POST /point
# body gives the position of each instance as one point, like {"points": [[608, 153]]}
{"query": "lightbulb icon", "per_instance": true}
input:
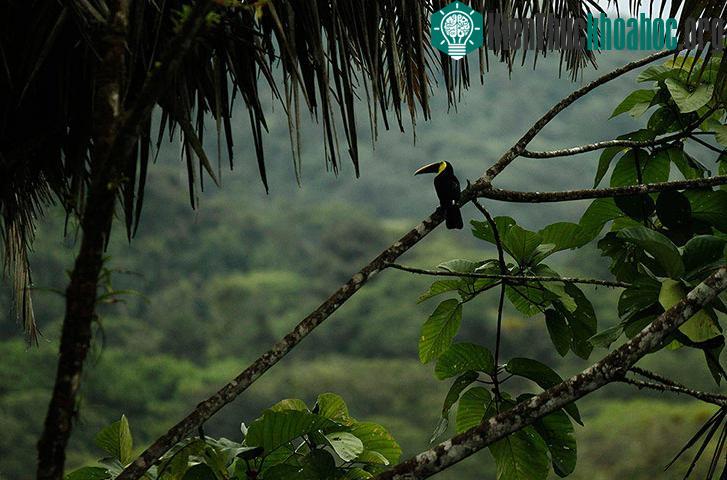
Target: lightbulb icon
{"points": [[457, 28]]}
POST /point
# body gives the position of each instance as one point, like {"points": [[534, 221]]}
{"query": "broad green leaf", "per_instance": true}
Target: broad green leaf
{"points": [[582, 322], [472, 408], [604, 162], [176, 464], [455, 390], [557, 432], [116, 440], [520, 243], [636, 103], [709, 206], [199, 472], [564, 236], [703, 252], [544, 376], [642, 294], [357, 474], [607, 337], [522, 455], [689, 101], [658, 246], [275, 429], [698, 328], [439, 287], [600, 212], [558, 289], [334, 407], [528, 299], [290, 404], [687, 165], [483, 231], [374, 458], [376, 438], [346, 445], [656, 73], [318, 465], [459, 265], [558, 330], [654, 168], [88, 473], [721, 135], [284, 471], [439, 330], [662, 121], [462, 357]]}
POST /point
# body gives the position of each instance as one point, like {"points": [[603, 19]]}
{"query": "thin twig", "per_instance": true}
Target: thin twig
{"points": [[687, 131], [501, 301], [511, 278], [655, 376], [702, 142], [585, 194], [714, 398]]}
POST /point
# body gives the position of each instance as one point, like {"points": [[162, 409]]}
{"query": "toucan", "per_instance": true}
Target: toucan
{"points": [[448, 190]]}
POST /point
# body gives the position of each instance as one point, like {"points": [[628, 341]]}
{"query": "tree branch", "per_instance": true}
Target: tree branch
{"points": [[570, 195], [511, 278], [611, 368], [714, 398], [204, 410]]}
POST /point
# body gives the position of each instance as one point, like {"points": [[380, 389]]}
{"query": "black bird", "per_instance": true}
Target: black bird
{"points": [[448, 190]]}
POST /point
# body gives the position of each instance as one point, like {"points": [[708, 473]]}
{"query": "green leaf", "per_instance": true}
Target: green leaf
{"points": [[604, 162], [642, 294], [290, 404], [544, 376], [439, 330], [558, 330], [374, 458], [483, 231], [318, 465], [600, 212], [520, 243], [709, 206], [116, 440], [459, 266], [375, 438], [654, 168], [199, 472], [357, 474], [700, 326], [607, 337], [275, 429], [528, 299], [521, 456], [703, 252], [346, 445], [662, 121], [462, 357], [439, 287], [88, 473], [582, 322], [564, 236], [687, 165], [557, 432], [636, 103], [656, 73], [689, 101], [472, 407], [721, 135], [334, 407], [658, 246], [455, 390]]}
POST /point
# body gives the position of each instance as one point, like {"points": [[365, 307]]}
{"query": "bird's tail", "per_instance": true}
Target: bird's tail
{"points": [[453, 217]]}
